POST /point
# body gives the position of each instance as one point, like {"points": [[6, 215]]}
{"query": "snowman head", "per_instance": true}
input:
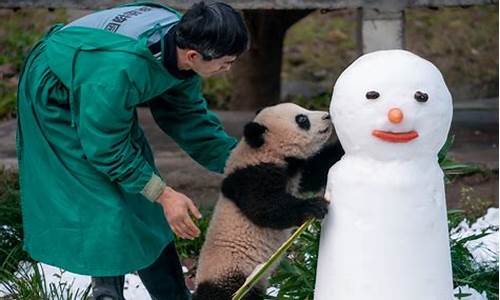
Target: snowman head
{"points": [[391, 105]]}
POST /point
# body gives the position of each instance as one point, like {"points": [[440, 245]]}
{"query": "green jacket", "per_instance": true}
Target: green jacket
{"points": [[87, 173]]}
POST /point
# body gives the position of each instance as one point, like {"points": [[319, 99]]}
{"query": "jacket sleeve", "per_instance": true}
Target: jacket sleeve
{"points": [[182, 113], [106, 115]]}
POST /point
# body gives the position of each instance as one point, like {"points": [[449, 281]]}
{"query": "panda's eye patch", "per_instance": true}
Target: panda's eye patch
{"points": [[421, 96], [303, 121], [372, 95]]}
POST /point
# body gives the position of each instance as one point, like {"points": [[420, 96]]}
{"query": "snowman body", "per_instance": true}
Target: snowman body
{"points": [[385, 241], [386, 234]]}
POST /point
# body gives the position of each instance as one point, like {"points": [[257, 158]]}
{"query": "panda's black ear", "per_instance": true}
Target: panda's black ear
{"points": [[254, 134]]}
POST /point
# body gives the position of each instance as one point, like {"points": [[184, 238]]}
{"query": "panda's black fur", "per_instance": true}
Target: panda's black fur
{"points": [[284, 211], [261, 193]]}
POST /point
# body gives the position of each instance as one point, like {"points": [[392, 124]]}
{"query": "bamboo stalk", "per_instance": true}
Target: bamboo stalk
{"points": [[260, 270]]}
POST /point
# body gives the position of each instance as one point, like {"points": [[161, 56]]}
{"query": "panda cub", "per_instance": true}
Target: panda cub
{"points": [[282, 154]]}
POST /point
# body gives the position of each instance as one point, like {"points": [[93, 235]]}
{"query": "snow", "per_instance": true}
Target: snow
{"points": [[7, 229], [485, 249], [272, 291], [465, 290]]}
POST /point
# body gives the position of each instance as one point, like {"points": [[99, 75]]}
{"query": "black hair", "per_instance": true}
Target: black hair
{"points": [[213, 29]]}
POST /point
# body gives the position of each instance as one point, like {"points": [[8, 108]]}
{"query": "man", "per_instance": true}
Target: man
{"points": [[93, 201]]}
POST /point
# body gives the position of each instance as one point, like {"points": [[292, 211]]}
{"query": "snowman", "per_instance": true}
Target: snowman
{"points": [[386, 235]]}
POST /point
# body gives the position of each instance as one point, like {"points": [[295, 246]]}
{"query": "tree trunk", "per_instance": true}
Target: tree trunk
{"points": [[256, 76]]}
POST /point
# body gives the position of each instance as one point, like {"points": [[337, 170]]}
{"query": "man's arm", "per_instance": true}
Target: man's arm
{"points": [[182, 114], [106, 116], [105, 119]]}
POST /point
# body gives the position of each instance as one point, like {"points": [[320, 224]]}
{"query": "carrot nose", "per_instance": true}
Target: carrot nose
{"points": [[395, 115]]}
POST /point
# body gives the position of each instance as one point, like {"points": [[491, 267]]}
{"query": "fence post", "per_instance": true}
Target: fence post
{"points": [[382, 25]]}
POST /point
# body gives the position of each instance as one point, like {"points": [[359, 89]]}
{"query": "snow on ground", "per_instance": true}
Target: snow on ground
{"points": [[484, 250], [133, 290], [473, 294]]}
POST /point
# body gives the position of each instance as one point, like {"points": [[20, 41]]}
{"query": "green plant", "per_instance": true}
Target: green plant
{"points": [[29, 282], [11, 230], [296, 275], [19, 31], [451, 168], [473, 206], [217, 91], [191, 248], [320, 102], [466, 271], [7, 100], [20, 277]]}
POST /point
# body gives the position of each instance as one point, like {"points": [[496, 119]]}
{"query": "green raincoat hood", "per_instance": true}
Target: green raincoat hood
{"points": [[98, 54], [67, 43], [65, 46]]}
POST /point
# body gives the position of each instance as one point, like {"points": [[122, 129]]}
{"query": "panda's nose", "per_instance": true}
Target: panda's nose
{"points": [[326, 117], [395, 115]]}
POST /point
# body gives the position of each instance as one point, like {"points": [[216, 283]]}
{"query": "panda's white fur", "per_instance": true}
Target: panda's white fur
{"points": [[259, 201]]}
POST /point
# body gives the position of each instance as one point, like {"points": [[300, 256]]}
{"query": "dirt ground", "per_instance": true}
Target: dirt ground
{"points": [[476, 141]]}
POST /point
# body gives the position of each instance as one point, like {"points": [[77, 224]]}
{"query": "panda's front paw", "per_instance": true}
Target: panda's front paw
{"points": [[316, 208]]}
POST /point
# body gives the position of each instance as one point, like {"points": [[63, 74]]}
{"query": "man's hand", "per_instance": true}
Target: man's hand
{"points": [[177, 209]]}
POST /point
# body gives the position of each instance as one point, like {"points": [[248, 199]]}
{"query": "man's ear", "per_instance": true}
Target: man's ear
{"points": [[254, 134], [191, 55]]}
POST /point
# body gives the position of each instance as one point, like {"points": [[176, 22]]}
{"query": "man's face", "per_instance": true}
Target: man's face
{"points": [[208, 68]]}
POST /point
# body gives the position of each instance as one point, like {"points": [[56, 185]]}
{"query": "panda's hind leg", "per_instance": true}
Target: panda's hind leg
{"points": [[224, 288]]}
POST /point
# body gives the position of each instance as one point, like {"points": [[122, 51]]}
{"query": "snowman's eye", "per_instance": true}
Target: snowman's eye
{"points": [[421, 96], [372, 95]]}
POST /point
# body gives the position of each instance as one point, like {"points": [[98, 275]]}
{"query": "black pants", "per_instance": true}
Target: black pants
{"points": [[164, 280]]}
